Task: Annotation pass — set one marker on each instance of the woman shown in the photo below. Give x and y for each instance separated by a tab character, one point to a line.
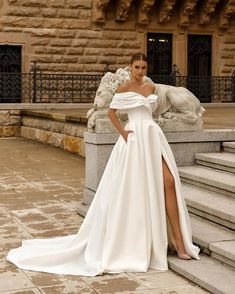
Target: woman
138	209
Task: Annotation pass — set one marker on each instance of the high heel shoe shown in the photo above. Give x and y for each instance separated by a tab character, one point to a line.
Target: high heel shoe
173	248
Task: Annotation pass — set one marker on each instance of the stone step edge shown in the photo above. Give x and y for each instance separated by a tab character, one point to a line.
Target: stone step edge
230	144
217	165
196	197
194	218
82	209
195	274
209	247
190	175
211	217
223	259
205	207
229	149
210	187
217	160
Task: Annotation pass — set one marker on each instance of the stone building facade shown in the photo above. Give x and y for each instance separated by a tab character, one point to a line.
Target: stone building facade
90	36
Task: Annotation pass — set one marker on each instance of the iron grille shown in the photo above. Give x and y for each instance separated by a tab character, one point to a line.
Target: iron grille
205	88
62	88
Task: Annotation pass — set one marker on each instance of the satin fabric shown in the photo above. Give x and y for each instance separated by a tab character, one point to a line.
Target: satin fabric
126	227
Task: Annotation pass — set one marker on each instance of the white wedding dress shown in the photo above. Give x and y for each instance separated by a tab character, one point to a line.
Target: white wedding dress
126	228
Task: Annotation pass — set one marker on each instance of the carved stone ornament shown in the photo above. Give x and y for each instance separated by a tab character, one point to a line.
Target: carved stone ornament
166	11
144	9
174	103
187	11
207	10
226	13
99	11
123	9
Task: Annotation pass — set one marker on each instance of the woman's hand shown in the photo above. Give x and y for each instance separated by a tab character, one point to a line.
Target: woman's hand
113	117
125	134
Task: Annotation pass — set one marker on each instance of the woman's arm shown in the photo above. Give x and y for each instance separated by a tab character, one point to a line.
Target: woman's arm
115	121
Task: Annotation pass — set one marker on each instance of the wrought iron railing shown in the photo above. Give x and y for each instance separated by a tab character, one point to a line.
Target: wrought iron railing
78	88
205	88
61	88
48	88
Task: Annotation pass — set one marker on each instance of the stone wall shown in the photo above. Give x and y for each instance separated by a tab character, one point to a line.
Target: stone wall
227	53
59	132
82	36
65	132
10	121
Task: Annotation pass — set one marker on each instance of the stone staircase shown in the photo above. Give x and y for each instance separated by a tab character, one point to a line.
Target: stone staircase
209	191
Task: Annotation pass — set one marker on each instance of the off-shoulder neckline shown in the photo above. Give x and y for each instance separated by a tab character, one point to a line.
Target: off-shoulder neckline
146	97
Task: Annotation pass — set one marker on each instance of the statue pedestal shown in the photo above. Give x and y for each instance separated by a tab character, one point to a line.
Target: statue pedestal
104	126
177	125
98	149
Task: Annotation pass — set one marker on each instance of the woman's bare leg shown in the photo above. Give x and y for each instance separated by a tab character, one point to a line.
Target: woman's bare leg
172	209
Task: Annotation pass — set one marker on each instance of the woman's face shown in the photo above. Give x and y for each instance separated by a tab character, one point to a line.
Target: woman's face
138	69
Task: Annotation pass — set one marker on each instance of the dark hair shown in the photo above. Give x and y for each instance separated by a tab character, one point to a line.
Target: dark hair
139	56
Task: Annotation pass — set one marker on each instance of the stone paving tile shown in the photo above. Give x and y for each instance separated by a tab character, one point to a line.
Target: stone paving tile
14	281
28	291
180	290
40	279
50	283
12	235
161	279
12	204
42	186
67	289
30	215
118	283
166	282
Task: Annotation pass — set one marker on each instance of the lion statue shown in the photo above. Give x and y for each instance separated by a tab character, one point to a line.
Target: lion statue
174	103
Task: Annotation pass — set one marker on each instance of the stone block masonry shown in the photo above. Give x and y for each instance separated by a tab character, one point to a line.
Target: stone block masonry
61	37
47	127
10	121
83	36
54	129
66	142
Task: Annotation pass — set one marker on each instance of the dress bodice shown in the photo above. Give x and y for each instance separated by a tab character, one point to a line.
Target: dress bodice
137	106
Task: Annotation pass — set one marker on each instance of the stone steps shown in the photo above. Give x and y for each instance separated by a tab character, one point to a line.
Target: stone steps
82	209
209	191
210	205
229	146
209	273
214	240
222	161
208	178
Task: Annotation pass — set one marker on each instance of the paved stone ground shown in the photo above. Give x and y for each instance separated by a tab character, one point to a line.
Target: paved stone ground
40	188
219	117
